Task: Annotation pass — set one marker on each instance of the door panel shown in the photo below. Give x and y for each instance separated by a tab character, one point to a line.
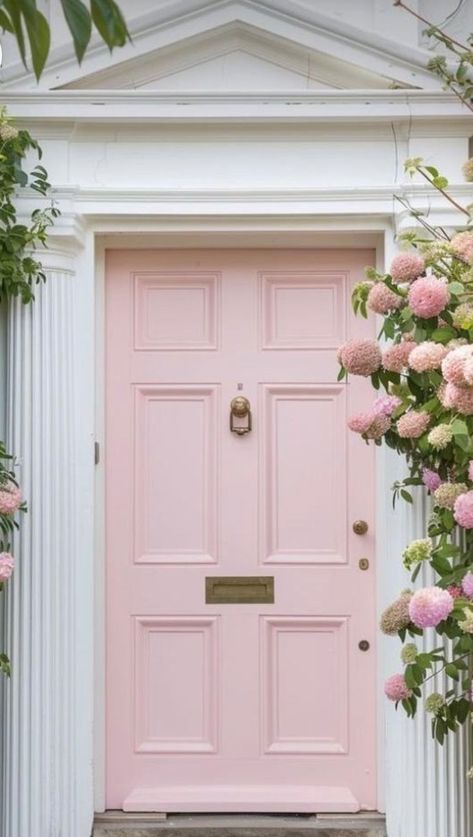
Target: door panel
238	706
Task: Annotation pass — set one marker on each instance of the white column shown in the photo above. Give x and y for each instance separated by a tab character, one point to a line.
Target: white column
48	714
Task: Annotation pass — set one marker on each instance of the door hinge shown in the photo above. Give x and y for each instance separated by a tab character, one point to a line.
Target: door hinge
96	453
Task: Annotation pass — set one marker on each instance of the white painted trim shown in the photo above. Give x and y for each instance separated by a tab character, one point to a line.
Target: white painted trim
297	106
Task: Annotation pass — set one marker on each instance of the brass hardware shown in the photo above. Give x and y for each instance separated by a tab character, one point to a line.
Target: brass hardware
239	589
240	409
364	645
360	527
363	563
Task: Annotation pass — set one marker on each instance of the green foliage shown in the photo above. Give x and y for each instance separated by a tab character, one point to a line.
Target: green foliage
19	269
27	24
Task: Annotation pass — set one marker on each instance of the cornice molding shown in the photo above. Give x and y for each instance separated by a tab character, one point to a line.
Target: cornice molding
74	106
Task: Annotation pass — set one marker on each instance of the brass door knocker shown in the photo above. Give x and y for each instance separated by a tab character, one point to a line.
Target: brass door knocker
240	409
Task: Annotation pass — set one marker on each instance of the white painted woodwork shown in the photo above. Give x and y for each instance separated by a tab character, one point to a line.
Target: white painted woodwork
47	710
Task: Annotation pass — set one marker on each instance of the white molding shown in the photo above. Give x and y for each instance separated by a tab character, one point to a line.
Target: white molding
292	106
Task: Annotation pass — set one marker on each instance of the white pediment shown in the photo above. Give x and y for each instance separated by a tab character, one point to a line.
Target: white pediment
236	46
235	57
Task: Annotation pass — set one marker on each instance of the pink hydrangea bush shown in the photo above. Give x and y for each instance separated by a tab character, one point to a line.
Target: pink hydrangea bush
422	369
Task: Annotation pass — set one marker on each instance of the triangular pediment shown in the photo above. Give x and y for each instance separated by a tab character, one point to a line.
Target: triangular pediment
235	57
236	46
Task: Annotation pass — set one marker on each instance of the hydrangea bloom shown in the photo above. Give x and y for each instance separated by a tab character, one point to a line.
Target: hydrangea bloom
8	132
396	357
458	398
395	688
360	356
417	551
453	365
385	405
409	653
427	356
463	316
430	479
455	591
428	296
446	494
370	424
467	585
7	564
462	246
10	498
434	703
430	606
396	616
440	436
466	624
382	299
467	169
413	424
463	510
405	267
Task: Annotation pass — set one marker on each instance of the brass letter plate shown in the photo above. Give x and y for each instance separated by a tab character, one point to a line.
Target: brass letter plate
239	589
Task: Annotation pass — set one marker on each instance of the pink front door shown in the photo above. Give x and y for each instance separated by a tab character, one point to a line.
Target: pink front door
240	706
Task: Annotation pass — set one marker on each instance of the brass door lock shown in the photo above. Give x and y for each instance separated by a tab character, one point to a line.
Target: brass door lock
360	527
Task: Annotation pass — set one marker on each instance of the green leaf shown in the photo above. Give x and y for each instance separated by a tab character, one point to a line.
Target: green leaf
15	17
110	23
443	335
451	671
39	37
6	23
80	24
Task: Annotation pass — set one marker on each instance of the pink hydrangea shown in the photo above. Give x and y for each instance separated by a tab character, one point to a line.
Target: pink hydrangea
395	688
405	267
427	356
396	357
431	479
7	564
385	405
10	498
430	606
455	591
382	299
428	296
453	365
462	246
360	356
467	585
413	424
457	398
370	424
463	510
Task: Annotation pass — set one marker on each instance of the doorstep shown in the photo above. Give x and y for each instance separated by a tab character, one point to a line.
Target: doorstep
118	824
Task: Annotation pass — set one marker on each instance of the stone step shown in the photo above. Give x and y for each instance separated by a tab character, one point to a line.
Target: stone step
118	824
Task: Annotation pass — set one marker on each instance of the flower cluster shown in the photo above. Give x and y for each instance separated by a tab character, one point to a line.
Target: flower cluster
424	363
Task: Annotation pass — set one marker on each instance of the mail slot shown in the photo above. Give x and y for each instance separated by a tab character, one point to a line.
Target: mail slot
240	589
